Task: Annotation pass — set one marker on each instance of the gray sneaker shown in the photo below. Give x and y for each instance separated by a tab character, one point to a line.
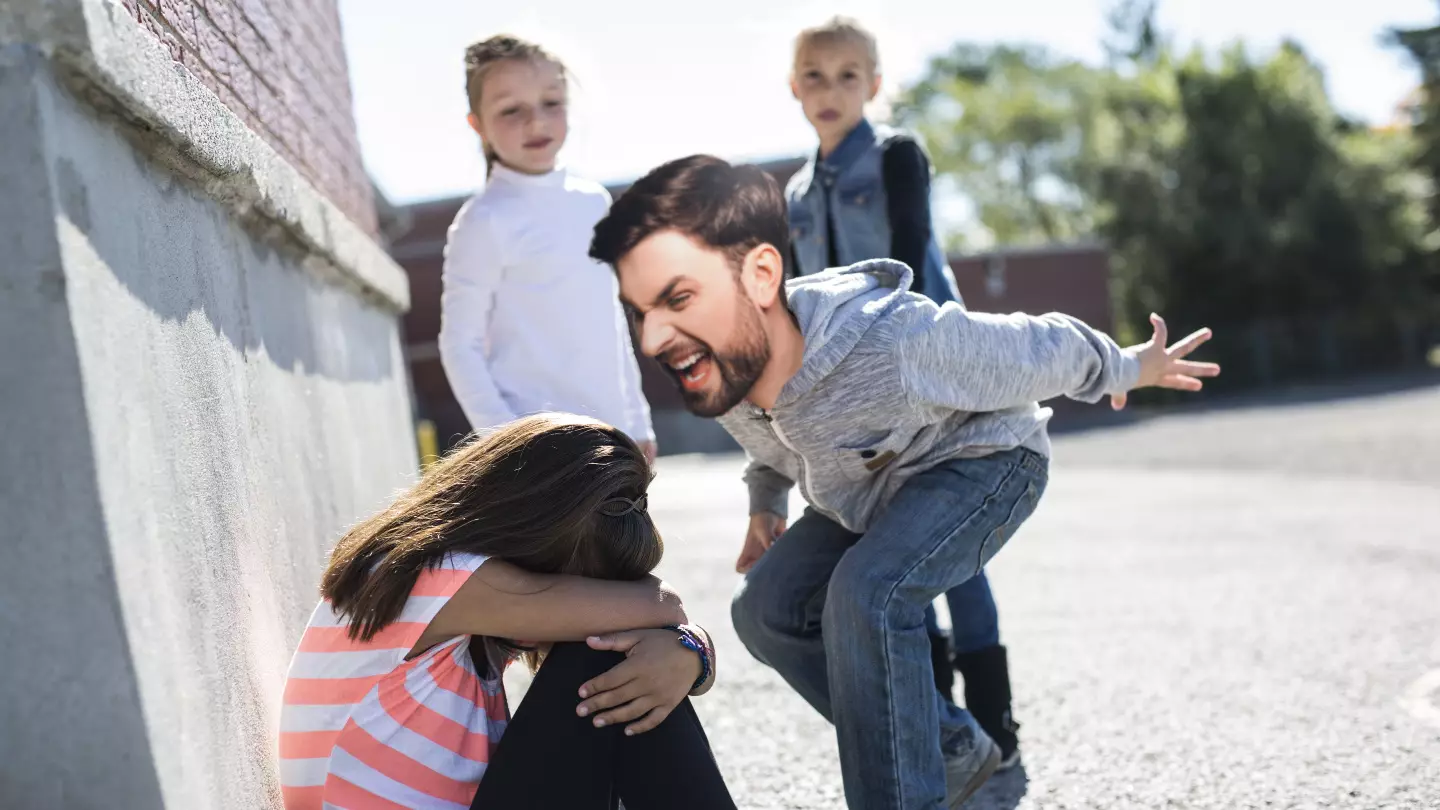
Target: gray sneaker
966	771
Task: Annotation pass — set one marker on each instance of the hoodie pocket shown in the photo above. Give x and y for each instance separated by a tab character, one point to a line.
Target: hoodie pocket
862	461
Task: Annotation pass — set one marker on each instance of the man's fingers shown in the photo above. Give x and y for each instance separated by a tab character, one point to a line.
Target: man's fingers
618	676
656	716
1162	333
1191	342
1193	369
619	642
746	561
1180	382
632	710
609	700
1117	401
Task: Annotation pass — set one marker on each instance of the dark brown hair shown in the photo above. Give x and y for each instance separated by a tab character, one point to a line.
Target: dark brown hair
482	56
733	209
552	493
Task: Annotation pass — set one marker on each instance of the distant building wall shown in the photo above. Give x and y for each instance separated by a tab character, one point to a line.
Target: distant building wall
1073	279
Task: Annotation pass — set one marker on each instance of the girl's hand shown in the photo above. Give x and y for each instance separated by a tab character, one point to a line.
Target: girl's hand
655	676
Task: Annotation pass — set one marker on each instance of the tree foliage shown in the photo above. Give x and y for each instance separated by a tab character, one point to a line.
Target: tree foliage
1227	186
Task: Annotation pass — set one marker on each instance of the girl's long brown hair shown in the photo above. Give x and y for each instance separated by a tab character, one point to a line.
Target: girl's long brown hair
549	493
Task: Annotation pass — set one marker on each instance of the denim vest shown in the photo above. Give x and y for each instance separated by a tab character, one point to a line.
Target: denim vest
850	183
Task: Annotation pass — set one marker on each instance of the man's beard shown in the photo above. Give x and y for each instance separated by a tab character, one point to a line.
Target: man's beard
738	368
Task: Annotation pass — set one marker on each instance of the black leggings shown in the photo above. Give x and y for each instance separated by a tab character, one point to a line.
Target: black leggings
550	757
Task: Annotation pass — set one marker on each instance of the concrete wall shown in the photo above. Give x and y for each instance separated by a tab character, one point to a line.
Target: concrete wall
202	386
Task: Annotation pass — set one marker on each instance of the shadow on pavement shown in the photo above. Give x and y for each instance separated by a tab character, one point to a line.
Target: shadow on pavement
1083	419
1003	792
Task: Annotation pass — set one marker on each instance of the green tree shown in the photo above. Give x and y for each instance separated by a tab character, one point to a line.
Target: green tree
1007	126
1423	46
1228	188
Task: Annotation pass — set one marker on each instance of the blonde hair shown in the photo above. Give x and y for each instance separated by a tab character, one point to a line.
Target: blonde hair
482	56
840	30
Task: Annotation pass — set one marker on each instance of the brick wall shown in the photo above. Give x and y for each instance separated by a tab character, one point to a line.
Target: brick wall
280	66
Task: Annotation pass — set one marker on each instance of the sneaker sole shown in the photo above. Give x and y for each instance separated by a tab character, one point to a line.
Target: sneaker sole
1010	762
992	763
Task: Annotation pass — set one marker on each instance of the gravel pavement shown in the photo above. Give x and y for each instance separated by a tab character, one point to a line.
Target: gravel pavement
1233	607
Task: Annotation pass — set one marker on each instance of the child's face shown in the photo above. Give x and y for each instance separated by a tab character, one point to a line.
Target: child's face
832	82
522	116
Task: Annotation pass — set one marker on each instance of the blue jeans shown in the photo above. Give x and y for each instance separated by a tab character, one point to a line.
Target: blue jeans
841	617
974	622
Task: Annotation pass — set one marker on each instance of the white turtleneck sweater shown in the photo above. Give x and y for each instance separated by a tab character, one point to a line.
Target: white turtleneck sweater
529	322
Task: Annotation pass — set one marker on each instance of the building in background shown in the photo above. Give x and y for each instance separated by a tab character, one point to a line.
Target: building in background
203	386
1073	279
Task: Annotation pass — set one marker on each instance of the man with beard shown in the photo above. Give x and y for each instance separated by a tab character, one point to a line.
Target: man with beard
912	429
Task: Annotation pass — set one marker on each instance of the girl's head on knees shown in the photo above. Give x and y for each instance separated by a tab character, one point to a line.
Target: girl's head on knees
552	493
518	103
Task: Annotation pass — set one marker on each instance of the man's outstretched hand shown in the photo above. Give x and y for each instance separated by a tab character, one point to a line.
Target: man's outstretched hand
1166	367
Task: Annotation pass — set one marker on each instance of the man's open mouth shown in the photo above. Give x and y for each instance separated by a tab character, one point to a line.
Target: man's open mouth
694	369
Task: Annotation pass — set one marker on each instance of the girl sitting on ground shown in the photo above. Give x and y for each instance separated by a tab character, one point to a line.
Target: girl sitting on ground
537	531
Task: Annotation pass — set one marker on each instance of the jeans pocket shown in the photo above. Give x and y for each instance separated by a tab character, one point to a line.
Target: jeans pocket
1021	507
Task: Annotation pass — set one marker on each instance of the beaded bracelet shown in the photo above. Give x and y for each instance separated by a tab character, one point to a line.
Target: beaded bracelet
692	640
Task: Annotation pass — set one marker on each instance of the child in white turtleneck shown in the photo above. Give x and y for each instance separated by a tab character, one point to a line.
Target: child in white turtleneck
529	322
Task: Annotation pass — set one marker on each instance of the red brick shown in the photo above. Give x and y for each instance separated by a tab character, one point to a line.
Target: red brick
278	65
304	146
267	106
221	13
260	17
287	132
180	16
212	48
249	44
329	173
161	32
293	79
277	79
242	81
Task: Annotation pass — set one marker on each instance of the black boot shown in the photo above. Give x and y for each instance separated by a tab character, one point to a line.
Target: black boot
940	660
987	697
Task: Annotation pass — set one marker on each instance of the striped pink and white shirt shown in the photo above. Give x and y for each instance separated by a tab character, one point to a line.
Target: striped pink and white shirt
362	728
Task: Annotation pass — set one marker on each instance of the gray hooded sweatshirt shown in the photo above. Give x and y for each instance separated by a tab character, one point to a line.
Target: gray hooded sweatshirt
892	385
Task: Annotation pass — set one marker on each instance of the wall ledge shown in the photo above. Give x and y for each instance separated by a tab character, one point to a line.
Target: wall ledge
105	58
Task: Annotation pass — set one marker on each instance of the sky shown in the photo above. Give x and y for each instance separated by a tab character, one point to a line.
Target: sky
657	79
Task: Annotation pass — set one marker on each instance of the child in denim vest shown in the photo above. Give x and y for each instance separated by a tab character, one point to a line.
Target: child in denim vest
866	195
